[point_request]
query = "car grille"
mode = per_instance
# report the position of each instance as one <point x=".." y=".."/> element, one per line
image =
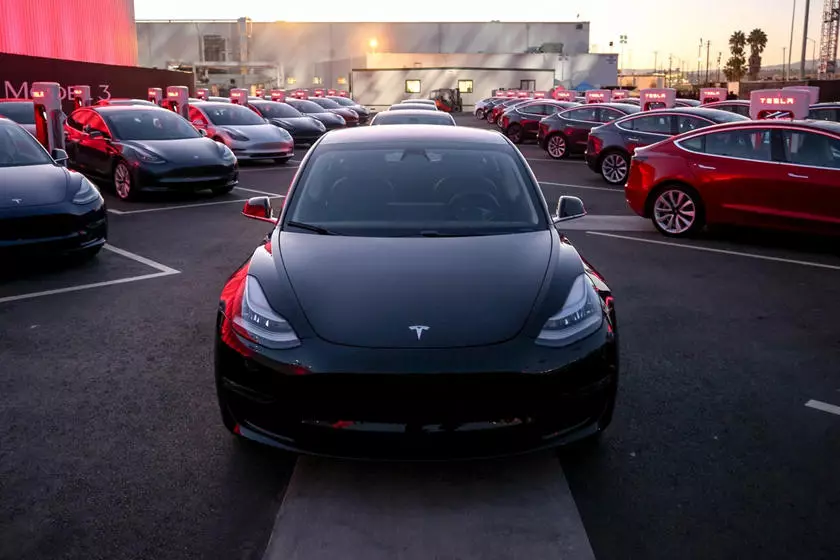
<point x="39" y="227"/>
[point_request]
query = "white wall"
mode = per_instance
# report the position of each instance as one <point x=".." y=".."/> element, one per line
<point x="383" y="88"/>
<point x="459" y="60"/>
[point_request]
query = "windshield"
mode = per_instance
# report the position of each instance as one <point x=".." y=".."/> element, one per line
<point x="18" y="148"/>
<point x="343" y="101"/>
<point x="408" y="189"/>
<point x="410" y="106"/>
<point x="305" y="106"/>
<point x="18" y="111"/>
<point x="326" y="103"/>
<point x="230" y="114"/>
<point x="400" y="117"/>
<point x="151" y="124"/>
<point x="275" y="110"/>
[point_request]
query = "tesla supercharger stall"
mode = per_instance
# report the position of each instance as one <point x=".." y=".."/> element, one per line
<point x="539" y="95"/>
<point x="813" y="92"/>
<point x="202" y="93"/>
<point x="49" y="118"/>
<point x="80" y="96"/>
<point x="178" y="100"/>
<point x="657" y="98"/>
<point x="563" y="95"/>
<point x="155" y="95"/>
<point x="318" y="93"/>
<point x="618" y="94"/>
<point x="278" y="95"/>
<point x="301" y="94"/>
<point x="343" y="93"/>
<point x="260" y="92"/>
<point x="712" y="94"/>
<point x="598" y="96"/>
<point x="792" y="103"/>
<point x="331" y="93"/>
<point x="239" y="96"/>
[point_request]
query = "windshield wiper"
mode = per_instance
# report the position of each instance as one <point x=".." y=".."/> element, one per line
<point x="434" y="233"/>
<point x="311" y="227"/>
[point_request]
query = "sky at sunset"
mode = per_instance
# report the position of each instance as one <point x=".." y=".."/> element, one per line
<point x="670" y="27"/>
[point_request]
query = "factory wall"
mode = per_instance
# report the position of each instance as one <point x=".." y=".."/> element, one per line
<point x="381" y="88"/>
<point x="301" y="48"/>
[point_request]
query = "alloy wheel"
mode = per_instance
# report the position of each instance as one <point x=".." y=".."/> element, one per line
<point x="514" y="133"/>
<point x="122" y="181"/>
<point x="675" y="212"/>
<point x="557" y="146"/>
<point x="614" y="168"/>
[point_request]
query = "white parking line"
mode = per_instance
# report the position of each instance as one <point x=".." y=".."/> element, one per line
<point x="544" y="160"/>
<point x="586" y="187"/>
<point x="825" y="407"/>
<point x="719" y="251"/>
<point x="277" y="168"/>
<point x="197" y="205"/>
<point x="274" y="195"/>
<point x="162" y="269"/>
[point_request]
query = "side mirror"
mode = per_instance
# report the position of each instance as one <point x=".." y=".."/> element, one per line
<point x="569" y="208"/>
<point x="60" y="156"/>
<point x="259" y="208"/>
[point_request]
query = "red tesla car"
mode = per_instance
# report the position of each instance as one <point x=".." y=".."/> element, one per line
<point x="522" y="122"/>
<point x="771" y="174"/>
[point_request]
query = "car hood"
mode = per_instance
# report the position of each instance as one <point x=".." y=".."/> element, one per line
<point x="298" y="123"/>
<point x="32" y="185"/>
<point x="345" y="112"/>
<point x="188" y="151"/>
<point x="257" y="132"/>
<point x="370" y="292"/>
<point x="327" y="117"/>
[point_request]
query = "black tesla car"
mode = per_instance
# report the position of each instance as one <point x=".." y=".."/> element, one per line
<point x="303" y="128"/>
<point x="361" y="110"/>
<point x="464" y="324"/>
<point x="147" y="148"/>
<point x="822" y="112"/>
<point x="329" y="119"/>
<point x="44" y="207"/>
<point x="22" y="111"/>
<point x="522" y="122"/>
<point x="351" y="117"/>
<point x="611" y="146"/>
<point x="567" y="132"/>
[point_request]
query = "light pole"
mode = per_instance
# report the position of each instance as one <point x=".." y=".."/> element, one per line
<point x="622" y="40"/>
<point x="805" y="38"/>
<point x="784" y="79"/>
<point x="655" y="61"/>
<point x="720" y="56"/>
<point x="790" y="47"/>
<point x="699" y="59"/>
<point x="813" y="58"/>
<point x="708" y="46"/>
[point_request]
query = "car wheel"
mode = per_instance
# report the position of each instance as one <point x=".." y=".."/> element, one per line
<point x="479" y="114"/>
<point x="218" y="191"/>
<point x="556" y="146"/>
<point x="123" y="183"/>
<point x="614" y="168"/>
<point x="677" y="211"/>
<point x="490" y="118"/>
<point x="514" y="133"/>
<point x="282" y="160"/>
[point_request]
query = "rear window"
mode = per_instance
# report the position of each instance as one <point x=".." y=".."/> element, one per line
<point x="411" y="190"/>
<point x="402" y="118"/>
<point x="18" y="148"/>
<point x="19" y="111"/>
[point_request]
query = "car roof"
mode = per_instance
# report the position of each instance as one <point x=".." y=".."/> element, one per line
<point x="211" y="104"/>
<point x="420" y="112"/>
<point x="709" y="113"/>
<point x="105" y="109"/>
<point x="14" y="100"/>
<point x="828" y="126"/>
<point x="730" y="101"/>
<point x="826" y="105"/>
<point x="411" y="132"/>
<point x="616" y="105"/>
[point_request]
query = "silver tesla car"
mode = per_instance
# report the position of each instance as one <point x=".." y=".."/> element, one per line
<point x="245" y="132"/>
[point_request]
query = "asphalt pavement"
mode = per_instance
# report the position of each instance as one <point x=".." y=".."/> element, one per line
<point x="111" y="445"/>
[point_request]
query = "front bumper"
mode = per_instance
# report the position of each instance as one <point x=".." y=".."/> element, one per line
<point x="170" y="177"/>
<point x="592" y="160"/>
<point x="268" y="150"/>
<point x="421" y="413"/>
<point x="65" y="231"/>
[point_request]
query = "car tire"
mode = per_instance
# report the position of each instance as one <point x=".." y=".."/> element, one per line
<point x="615" y="167"/>
<point x="123" y="182"/>
<point x="490" y="118"/>
<point x="479" y="114"/>
<point x="514" y="133"/>
<point x="282" y="160"/>
<point x="218" y="191"/>
<point x="676" y="210"/>
<point x="557" y="146"/>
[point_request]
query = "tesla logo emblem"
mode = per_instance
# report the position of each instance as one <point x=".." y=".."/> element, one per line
<point x="418" y="329"/>
<point x="19" y="200"/>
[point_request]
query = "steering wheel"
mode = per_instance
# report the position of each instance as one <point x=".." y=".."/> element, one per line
<point x="473" y="207"/>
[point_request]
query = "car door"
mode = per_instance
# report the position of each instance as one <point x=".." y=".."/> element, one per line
<point x="811" y="176"/>
<point x="73" y="134"/>
<point x="531" y="117"/>
<point x="579" y="123"/>
<point x="198" y="119"/>
<point x="737" y="174"/>
<point x="98" y="149"/>
<point x="644" y="130"/>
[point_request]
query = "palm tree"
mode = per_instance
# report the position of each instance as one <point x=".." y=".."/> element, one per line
<point x="736" y="65"/>
<point x="758" y="42"/>
<point x="737" y="42"/>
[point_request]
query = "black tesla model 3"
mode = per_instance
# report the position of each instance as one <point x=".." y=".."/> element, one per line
<point x="44" y="207"/>
<point x="415" y="299"/>
<point x="142" y="148"/>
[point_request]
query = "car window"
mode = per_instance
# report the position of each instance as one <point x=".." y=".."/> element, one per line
<point x="610" y="115"/>
<point x="96" y="123"/>
<point x="78" y="119"/>
<point x="696" y="144"/>
<point x="589" y="114"/>
<point x="305" y="106"/>
<point x="326" y="103"/>
<point x="813" y="114"/>
<point x="743" y="110"/>
<point x="811" y="148"/>
<point x="654" y="124"/>
<point x="749" y="144"/>
<point x="687" y="124"/>
<point x="18" y="148"/>
<point x="275" y="110"/>
<point x="196" y="117"/>
<point x="406" y="189"/>
<point x="536" y="109"/>
<point x="19" y="111"/>
<point x="150" y="124"/>
<point x="231" y="115"/>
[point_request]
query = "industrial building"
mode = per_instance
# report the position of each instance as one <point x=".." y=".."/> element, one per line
<point x="381" y="63"/>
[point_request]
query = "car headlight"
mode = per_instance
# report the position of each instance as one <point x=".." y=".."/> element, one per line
<point x="283" y="125"/>
<point x="284" y="134"/>
<point x="87" y="193"/>
<point x="236" y="135"/>
<point x="260" y="322"/>
<point x="580" y="316"/>
<point x="319" y="125"/>
<point x="147" y="157"/>
<point x="226" y="153"/>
